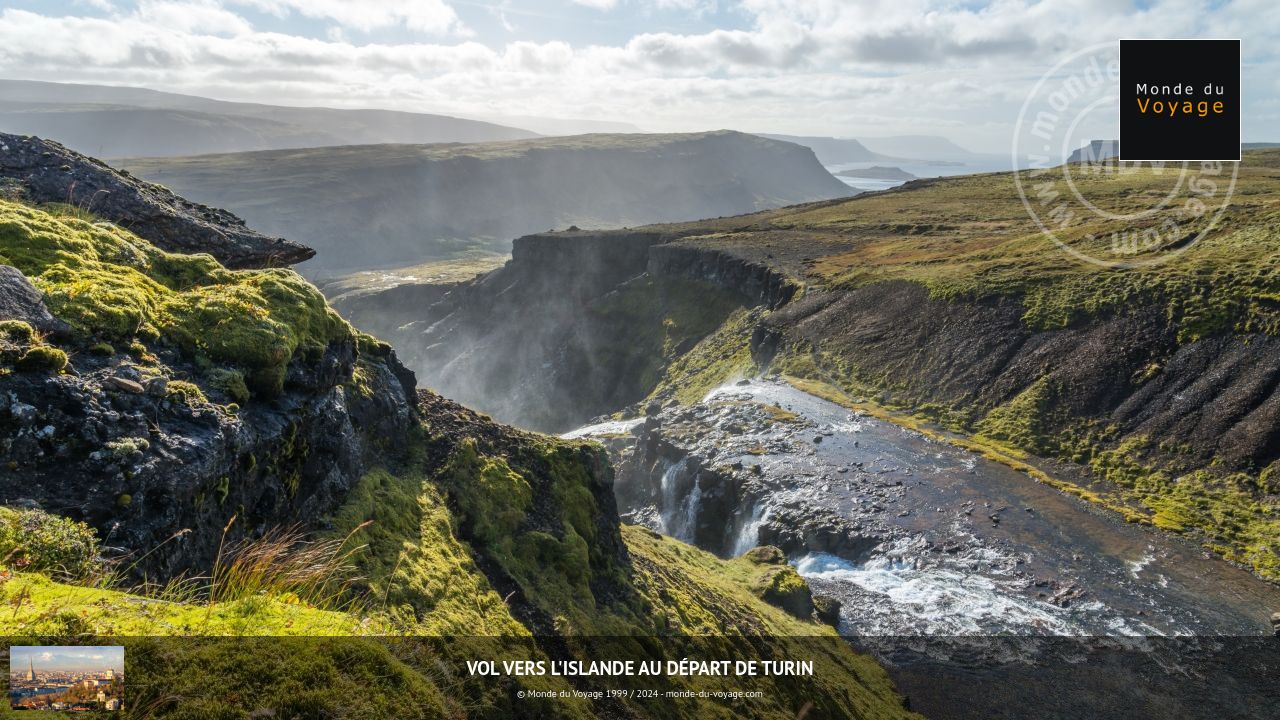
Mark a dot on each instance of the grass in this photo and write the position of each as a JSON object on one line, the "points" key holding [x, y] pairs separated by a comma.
{"points": [[435, 272], [969, 238]]}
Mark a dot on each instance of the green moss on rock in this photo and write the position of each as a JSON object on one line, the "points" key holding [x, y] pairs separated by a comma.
{"points": [[110, 285], [42, 358]]}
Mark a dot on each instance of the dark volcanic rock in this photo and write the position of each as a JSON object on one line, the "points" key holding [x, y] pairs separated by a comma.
{"points": [[143, 466], [48, 172], [20, 300]]}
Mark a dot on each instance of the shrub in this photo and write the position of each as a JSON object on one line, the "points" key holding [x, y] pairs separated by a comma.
{"points": [[38, 541], [42, 358]]}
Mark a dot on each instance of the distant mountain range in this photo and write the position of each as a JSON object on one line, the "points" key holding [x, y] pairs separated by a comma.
{"points": [[840, 151], [920, 147], [106, 121], [831, 151], [381, 206]]}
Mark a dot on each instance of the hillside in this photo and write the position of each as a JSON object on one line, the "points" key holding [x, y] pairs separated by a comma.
{"points": [[365, 207], [1150, 391], [201, 452], [108, 121]]}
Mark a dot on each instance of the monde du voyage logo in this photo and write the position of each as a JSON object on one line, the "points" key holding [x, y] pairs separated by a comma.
{"points": [[1162, 186], [1180, 100]]}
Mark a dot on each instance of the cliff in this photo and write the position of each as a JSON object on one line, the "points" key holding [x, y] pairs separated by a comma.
{"points": [[379, 206]]}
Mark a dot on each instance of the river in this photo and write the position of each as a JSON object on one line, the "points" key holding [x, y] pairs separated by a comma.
{"points": [[937, 545]]}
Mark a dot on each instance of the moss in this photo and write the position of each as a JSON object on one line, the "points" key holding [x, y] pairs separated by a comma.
{"points": [[231, 382], [370, 345], [185, 392], [18, 331], [1023, 420], [42, 358], [37, 541], [102, 349], [110, 285], [716, 359], [126, 448], [124, 500]]}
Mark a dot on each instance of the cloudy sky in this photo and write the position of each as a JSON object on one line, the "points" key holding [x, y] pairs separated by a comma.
{"points": [[826, 67]]}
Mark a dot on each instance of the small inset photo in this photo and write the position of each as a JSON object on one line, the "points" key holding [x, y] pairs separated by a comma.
{"points": [[66, 677]]}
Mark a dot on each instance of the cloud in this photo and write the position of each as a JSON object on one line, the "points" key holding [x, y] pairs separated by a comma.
{"points": [[426, 16], [802, 66], [597, 4], [192, 16]]}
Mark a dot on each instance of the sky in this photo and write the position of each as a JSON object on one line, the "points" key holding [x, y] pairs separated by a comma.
{"points": [[58, 657], [843, 68]]}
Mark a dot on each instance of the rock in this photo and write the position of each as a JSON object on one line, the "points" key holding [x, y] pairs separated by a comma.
{"points": [[150, 211], [20, 300], [827, 609], [1275, 623], [766, 555], [125, 384], [157, 386]]}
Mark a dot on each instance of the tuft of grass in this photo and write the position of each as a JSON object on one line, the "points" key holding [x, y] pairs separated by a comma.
{"points": [[283, 563]]}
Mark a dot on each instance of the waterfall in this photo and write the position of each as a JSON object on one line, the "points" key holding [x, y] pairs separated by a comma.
{"points": [[749, 534], [688, 528], [670, 492]]}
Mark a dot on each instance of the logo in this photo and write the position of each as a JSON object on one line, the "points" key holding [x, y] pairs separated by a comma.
{"points": [[1096, 207]]}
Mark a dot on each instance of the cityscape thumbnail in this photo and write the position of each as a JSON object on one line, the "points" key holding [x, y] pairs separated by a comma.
{"points": [[56, 677]]}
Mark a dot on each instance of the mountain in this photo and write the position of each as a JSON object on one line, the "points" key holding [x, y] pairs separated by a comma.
{"points": [[212, 453], [1095, 151], [831, 151], [878, 172], [564, 126], [376, 206], [920, 147], [108, 121]]}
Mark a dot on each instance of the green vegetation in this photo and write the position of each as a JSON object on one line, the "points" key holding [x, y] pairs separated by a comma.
{"points": [[39, 542], [650, 324], [42, 358], [719, 357], [968, 240], [113, 286]]}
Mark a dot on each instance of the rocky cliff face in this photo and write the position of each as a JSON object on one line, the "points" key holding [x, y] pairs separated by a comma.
{"points": [[155, 395], [1152, 392], [577, 323]]}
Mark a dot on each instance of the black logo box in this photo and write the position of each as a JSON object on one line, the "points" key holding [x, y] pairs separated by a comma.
{"points": [[1180, 65]]}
